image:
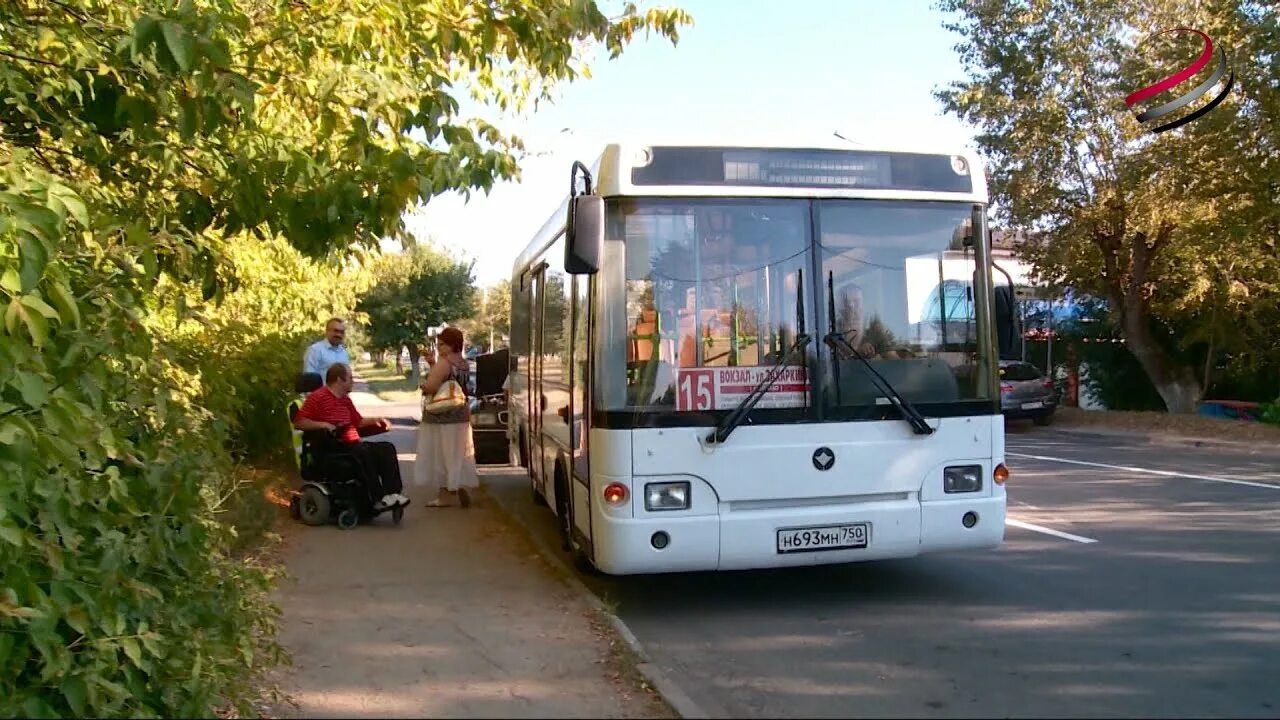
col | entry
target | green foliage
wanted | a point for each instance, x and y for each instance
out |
(300, 120)
(247, 350)
(119, 595)
(1117, 210)
(180, 187)
(1270, 412)
(492, 317)
(412, 291)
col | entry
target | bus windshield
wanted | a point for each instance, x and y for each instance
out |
(711, 301)
(899, 282)
(705, 296)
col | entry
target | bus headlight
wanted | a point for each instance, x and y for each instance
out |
(962, 479)
(666, 496)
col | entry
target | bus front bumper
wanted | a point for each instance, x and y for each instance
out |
(749, 539)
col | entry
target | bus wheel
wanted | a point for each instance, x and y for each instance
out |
(581, 560)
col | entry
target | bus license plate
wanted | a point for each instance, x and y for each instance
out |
(824, 537)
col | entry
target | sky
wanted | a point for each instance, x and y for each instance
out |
(864, 68)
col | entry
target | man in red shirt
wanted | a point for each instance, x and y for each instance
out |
(330, 408)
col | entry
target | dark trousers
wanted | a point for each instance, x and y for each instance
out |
(382, 468)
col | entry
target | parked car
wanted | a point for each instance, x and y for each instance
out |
(1025, 392)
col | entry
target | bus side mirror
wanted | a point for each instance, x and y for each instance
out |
(584, 244)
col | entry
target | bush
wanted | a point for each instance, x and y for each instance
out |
(126, 590)
(121, 594)
(1270, 412)
(247, 379)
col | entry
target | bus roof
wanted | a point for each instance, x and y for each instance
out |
(776, 166)
(782, 140)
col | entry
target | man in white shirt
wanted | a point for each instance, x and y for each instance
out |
(324, 353)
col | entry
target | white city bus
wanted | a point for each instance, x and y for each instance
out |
(759, 356)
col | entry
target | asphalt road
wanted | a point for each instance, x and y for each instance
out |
(1136, 580)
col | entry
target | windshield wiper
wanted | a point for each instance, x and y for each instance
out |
(739, 414)
(734, 419)
(843, 350)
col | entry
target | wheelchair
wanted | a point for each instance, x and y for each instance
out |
(333, 487)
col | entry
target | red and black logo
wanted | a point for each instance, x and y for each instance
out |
(1184, 75)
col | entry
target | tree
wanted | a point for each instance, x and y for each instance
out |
(143, 145)
(493, 318)
(1159, 225)
(415, 290)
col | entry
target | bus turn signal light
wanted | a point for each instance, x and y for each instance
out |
(1000, 474)
(615, 493)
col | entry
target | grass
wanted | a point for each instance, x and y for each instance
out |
(386, 384)
(1163, 423)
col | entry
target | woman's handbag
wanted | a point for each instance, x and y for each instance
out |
(449, 396)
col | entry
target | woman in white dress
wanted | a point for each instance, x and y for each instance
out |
(446, 461)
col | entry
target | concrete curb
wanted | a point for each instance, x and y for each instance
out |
(671, 692)
(1166, 440)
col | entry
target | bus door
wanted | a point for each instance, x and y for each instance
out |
(580, 368)
(537, 392)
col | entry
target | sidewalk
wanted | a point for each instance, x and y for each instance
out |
(451, 614)
(366, 402)
(1165, 439)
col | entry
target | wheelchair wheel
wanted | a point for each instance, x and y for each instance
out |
(313, 506)
(397, 514)
(348, 518)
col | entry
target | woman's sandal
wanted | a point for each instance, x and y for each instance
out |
(437, 503)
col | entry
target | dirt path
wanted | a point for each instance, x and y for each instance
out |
(452, 614)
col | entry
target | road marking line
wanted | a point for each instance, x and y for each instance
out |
(1048, 531)
(1165, 473)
